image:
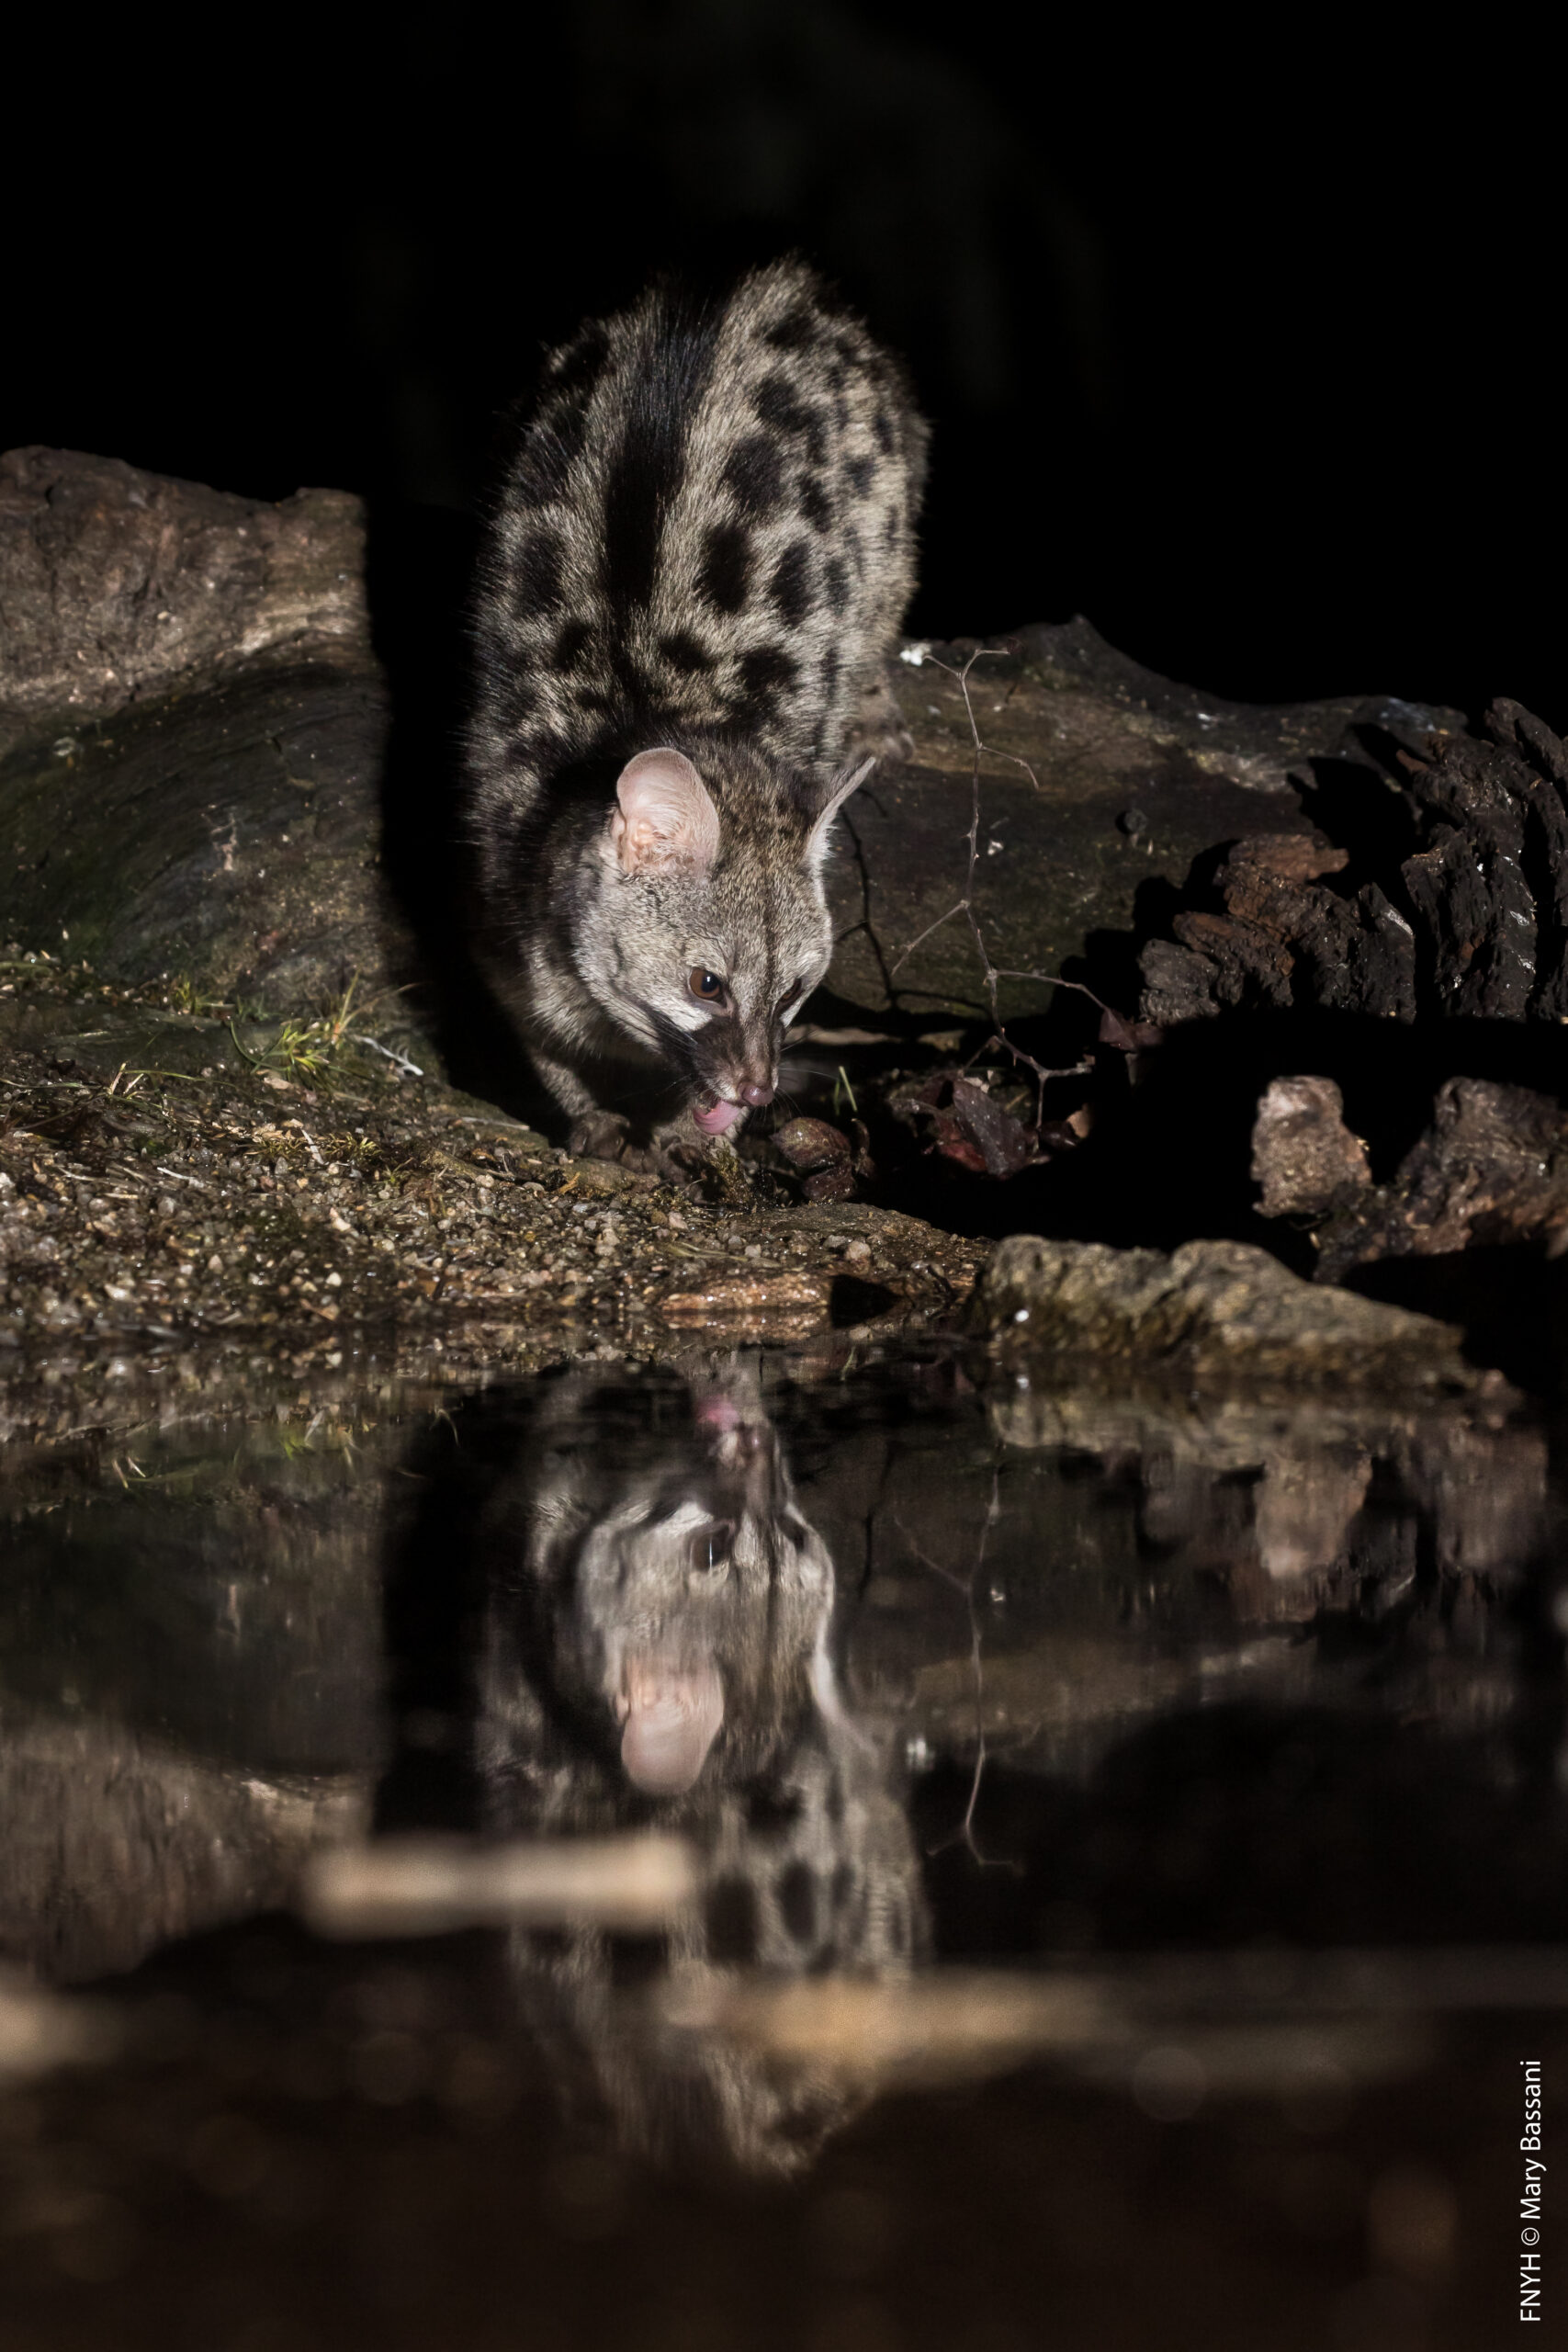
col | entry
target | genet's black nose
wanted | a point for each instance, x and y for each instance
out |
(756, 1095)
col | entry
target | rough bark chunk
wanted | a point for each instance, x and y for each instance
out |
(1302, 1153)
(1492, 1167)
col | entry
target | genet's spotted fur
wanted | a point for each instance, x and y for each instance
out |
(694, 575)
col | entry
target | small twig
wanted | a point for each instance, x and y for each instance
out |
(965, 1832)
(965, 905)
(960, 907)
(392, 1053)
(178, 1178)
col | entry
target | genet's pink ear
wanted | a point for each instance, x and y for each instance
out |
(663, 816)
(817, 844)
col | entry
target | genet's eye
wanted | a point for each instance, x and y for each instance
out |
(706, 985)
(708, 1549)
(792, 996)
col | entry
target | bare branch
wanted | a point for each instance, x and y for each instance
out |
(991, 973)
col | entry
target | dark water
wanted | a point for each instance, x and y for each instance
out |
(1121, 1845)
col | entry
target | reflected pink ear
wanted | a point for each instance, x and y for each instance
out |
(662, 816)
(673, 1715)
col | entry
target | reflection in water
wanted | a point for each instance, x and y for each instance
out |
(654, 1621)
(915, 1674)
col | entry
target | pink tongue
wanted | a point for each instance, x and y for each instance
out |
(673, 1719)
(722, 1115)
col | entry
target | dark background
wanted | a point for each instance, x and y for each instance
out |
(1253, 354)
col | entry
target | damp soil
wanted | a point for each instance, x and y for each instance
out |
(191, 1193)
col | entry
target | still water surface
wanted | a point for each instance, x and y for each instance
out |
(1120, 1850)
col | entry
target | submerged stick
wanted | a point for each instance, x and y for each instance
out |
(430, 1886)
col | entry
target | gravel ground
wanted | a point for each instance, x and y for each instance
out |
(188, 1195)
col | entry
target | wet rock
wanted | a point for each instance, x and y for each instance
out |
(1302, 1153)
(1213, 1311)
(820, 1156)
(1281, 1506)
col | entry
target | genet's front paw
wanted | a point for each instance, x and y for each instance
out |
(601, 1135)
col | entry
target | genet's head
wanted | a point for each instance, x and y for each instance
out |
(709, 932)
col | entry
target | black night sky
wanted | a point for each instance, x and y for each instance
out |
(1252, 355)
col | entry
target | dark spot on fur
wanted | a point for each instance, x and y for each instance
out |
(664, 381)
(683, 652)
(838, 586)
(796, 1893)
(545, 465)
(732, 1921)
(830, 674)
(637, 1959)
(890, 528)
(567, 651)
(754, 475)
(842, 1886)
(789, 589)
(796, 331)
(726, 567)
(770, 1811)
(517, 701)
(815, 508)
(777, 403)
(579, 363)
(862, 472)
(882, 425)
(537, 576)
(765, 671)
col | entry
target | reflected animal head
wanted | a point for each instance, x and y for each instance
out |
(657, 1589)
(658, 1645)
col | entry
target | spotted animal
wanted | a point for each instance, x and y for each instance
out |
(693, 570)
(658, 1649)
